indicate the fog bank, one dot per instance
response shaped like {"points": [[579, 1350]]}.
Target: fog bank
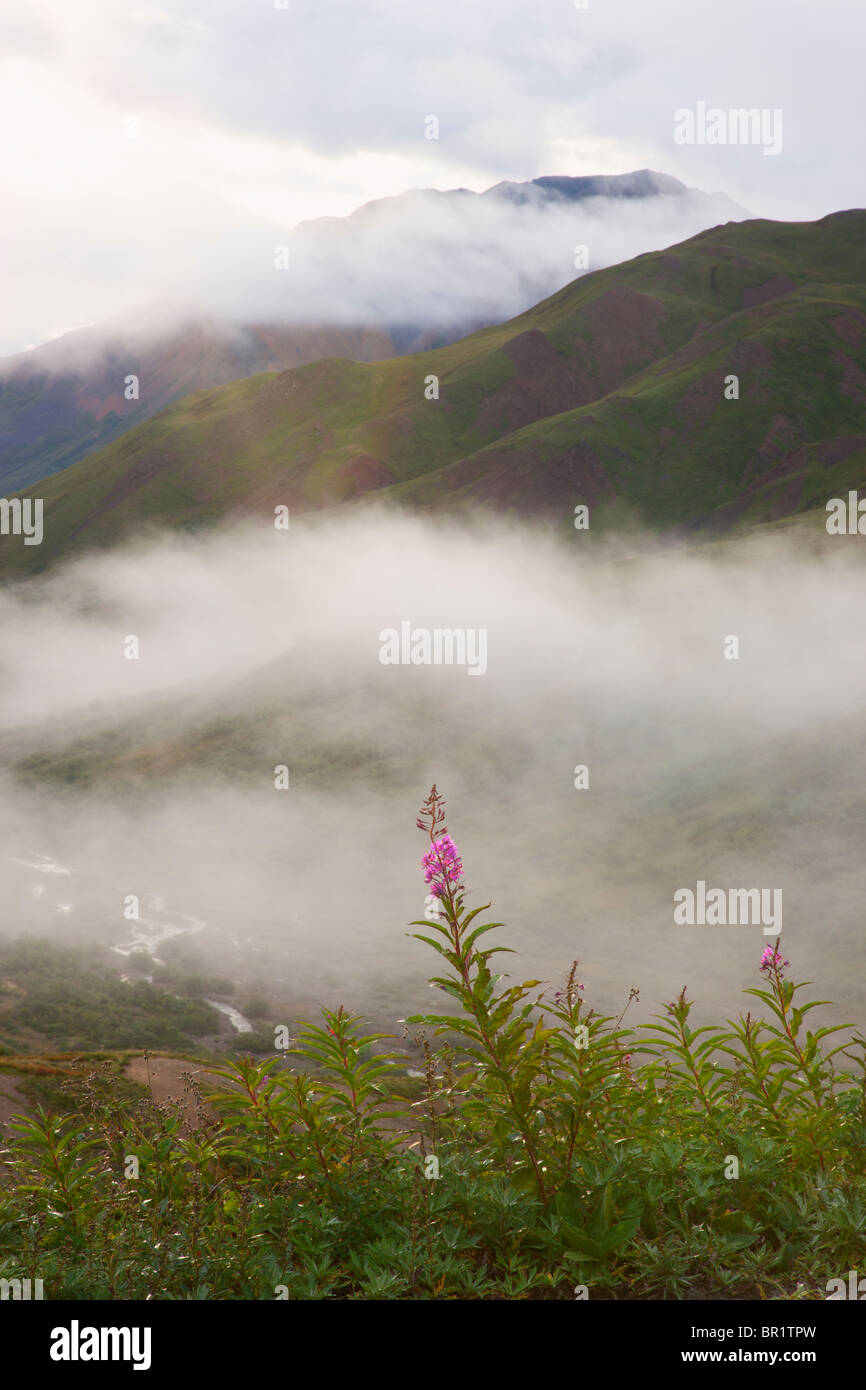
{"points": [[261, 649]]}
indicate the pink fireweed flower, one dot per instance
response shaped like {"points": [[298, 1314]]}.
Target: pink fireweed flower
{"points": [[771, 960], [443, 867]]}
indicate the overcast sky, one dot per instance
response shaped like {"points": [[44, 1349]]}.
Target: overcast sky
{"points": [[146, 141]]}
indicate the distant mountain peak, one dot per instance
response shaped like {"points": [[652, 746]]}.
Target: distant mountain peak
{"points": [[641, 183]]}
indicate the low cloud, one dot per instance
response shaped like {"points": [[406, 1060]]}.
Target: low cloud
{"points": [[424, 265], [156, 776]]}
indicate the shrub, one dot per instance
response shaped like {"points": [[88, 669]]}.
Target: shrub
{"points": [[549, 1148]]}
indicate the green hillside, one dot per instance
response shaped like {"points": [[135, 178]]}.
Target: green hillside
{"points": [[611, 393]]}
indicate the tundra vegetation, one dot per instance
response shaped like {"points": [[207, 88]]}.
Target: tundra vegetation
{"points": [[547, 1152]]}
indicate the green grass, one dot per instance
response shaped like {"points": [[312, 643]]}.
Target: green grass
{"points": [[54, 997]]}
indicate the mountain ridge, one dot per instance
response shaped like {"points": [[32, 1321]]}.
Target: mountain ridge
{"points": [[376, 284], [609, 393]]}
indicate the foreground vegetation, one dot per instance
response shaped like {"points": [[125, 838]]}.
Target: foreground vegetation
{"points": [[549, 1153]]}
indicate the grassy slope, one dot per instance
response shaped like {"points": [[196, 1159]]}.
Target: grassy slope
{"points": [[670, 443], [608, 392], [57, 997], [53, 412]]}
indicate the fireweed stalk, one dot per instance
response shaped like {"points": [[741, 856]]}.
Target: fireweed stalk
{"points": [[780, 999], [784, 1075], [500, 1040]]}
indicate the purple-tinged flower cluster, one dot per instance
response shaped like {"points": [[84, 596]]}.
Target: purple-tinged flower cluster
{"points": [[569, 993], [443, 866], [771, 960]]}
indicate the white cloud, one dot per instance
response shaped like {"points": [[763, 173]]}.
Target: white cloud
{"points": [[261, 648], [253, 118]]}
